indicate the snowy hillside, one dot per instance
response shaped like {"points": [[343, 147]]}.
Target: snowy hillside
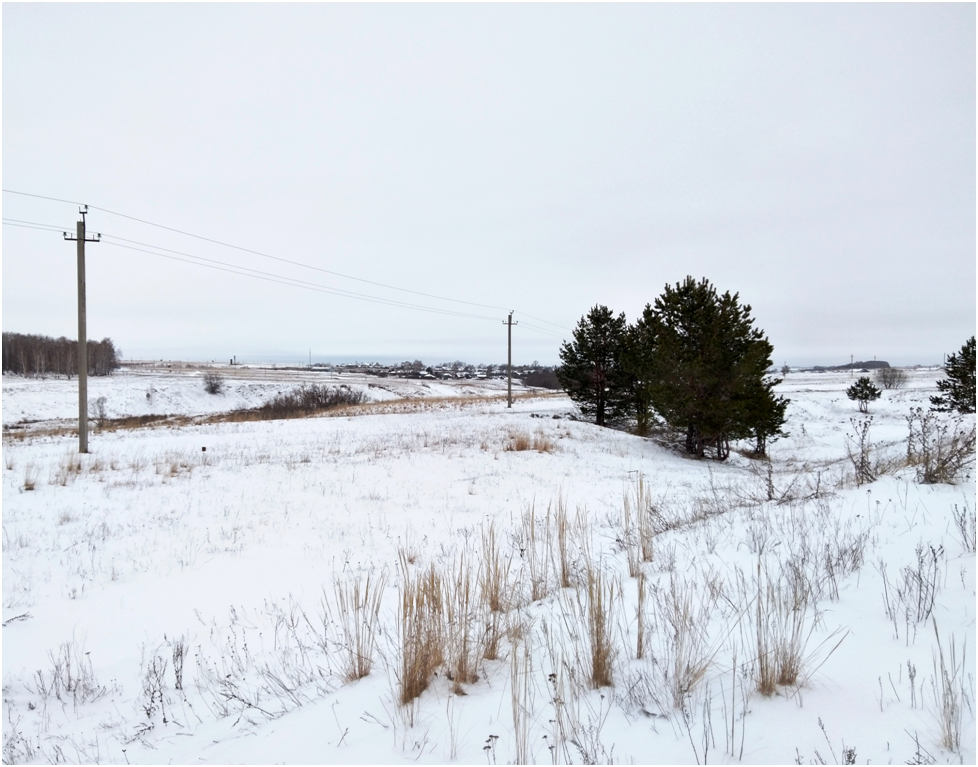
{"points": [[268, 592]]}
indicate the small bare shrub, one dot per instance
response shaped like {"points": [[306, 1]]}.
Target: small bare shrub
{"points": [[213, 383], [912, 597], [891, 378], [179, 655], [964, 522], [941, 448], [97, 411], [153, 697], [307, 400], [70, 678], [16, 747], [863, 455]]}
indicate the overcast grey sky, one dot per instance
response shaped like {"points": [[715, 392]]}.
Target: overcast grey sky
{"points": [[817, 159]]}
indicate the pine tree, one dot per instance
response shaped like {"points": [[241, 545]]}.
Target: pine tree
{"points": [[765, 414], [706, 374], [591, 370], [863, 392], [958, 389], [637, 355]]}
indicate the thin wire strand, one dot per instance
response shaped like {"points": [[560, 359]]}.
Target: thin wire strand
{"points": [[259, 253], [289, 281], [33, 225], [545, 322], [277, 278]]}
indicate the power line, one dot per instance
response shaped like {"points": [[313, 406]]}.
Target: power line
{"points": [[259, 253], [258, 274], [245, 271], [33, 225], [545, 331], [546, 322]]}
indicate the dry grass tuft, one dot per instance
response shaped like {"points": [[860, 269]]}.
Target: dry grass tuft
{"points": [[359, 607], [461, 648], [421, 629], [949, 691], [600, 595], [542, 443], [785, 624], [688, 649], [30, 476], [491, 635], [519, 441], [536, 558], [494, 577], [766, 673], [640, 619], [562, 524], [521, 666]]}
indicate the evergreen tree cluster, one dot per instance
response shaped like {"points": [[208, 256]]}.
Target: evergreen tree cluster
{"points": [[42, 355], [694, 359]]}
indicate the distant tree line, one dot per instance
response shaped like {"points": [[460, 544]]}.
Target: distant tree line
{"points": [[42, 355], [542, 378]]}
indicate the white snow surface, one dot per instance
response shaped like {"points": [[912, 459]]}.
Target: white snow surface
{"points": [[228, 540]]}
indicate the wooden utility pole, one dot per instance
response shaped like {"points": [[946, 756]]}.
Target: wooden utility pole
{"points": [[82, 332], [509, 359]]}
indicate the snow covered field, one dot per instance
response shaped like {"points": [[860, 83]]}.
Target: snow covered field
{"points": [[198, 594]]}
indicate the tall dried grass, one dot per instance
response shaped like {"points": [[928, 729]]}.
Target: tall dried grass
{"points": [[461, 646], [421, 629], [358, 605], [600, 597]]}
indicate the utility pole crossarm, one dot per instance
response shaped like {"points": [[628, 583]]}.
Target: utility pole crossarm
{"points": [[82, 331]]}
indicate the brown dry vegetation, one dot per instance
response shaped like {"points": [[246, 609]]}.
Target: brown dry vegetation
{"points": [[30, 429]]}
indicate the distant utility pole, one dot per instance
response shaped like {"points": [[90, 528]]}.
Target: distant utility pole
{"points": [[82, 332], [509, 359]]}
